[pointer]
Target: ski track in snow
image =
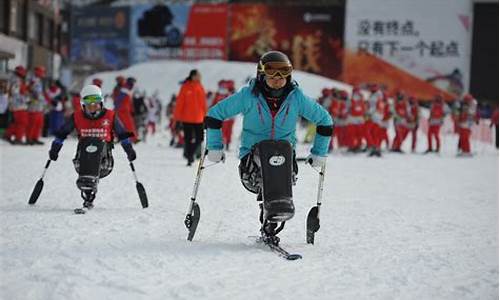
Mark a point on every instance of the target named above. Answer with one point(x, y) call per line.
point(400, 227)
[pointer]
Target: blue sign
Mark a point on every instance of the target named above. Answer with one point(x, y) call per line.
point(100, 37)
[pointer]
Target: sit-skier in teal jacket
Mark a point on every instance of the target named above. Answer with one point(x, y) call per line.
point(271, 105)
point(259, 124)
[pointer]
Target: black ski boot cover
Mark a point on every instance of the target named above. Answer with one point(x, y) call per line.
point(275, 161)
point(89, 160)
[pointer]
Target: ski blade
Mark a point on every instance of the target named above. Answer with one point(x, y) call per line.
point(293, 257)
point(36, 192)
point(312, 225)
point(194, 218)
point(142, 194)
point(277, 249)
point(80, 211)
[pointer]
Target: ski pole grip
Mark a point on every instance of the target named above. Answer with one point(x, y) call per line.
point(47, 163)
point(132, 167)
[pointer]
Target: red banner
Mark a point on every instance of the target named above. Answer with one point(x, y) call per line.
point(206, 33)
point(310, 36)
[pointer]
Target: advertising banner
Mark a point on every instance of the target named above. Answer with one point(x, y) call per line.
point(310, 36)
point(157, 31)
point(206, 33)
point(422, 47)
point(100, 37)
point(178, 31)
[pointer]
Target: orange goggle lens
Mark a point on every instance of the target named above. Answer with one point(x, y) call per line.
point(277, 69)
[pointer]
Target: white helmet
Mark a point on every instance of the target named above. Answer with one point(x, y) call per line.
point(90, 90)
point(91, 94)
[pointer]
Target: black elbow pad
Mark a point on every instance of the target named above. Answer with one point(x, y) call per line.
point(324, 130)
point(213, 123)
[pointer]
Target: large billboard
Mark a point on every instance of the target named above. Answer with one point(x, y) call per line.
point(100, 37)
point(178, 31)
point(310, 35)
point(422, 47)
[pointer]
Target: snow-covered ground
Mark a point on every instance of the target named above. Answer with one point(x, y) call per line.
point(399, 227)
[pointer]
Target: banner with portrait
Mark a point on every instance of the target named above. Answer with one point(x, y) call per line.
point(157, 31)
point(178, 31)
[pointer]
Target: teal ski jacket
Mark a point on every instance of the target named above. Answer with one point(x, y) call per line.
point(259, 124)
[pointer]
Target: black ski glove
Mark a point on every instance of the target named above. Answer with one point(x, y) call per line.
point(127, 147)
point(54, 150)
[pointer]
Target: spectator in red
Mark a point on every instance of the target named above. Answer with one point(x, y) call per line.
point(341, 122)
point(401, 113)
point(120, 82)
point(75, 101)
point(326, 97)
point(18, 94)
point(467, 116)
point(384, 137)
point(36, 107)
point(97, 82)
point(337, 110)
point(225, 89)
point(413, 119)
point(175, 130)
point(123, 107)
point(356, 109)
point(494, 121)
point(378, 115)
point(436, 118)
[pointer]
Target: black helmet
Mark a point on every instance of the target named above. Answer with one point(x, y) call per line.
point(274, 62)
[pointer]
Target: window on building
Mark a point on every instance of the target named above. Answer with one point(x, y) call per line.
point(46, 37)
point(39, 24)
point(3, 15)
point(32, 26)
point(57, 38)
point(20, 19)
point(52, 35)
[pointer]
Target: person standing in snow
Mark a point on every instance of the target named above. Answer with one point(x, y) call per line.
point(379, 107)
point(18, 95)
point(356, 109)
point(438, 111)
point(413, 119)
point(123, 105)
point(494, 122)
point(400, 111)
point(96, 127)
point(224, 90)
point(36, 107)
point(467, 116)
point(152, 114)
point(271, 105)
point(189, 112)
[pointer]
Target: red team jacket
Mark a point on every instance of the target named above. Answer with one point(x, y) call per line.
point(100, 128)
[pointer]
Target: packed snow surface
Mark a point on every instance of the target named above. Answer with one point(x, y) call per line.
point(406, 226)
point(398, 227)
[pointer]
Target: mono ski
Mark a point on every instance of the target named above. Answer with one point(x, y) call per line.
point(276, 248)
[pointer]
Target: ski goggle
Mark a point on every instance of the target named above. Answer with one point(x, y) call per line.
point(273, 69)
point(91, 99)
